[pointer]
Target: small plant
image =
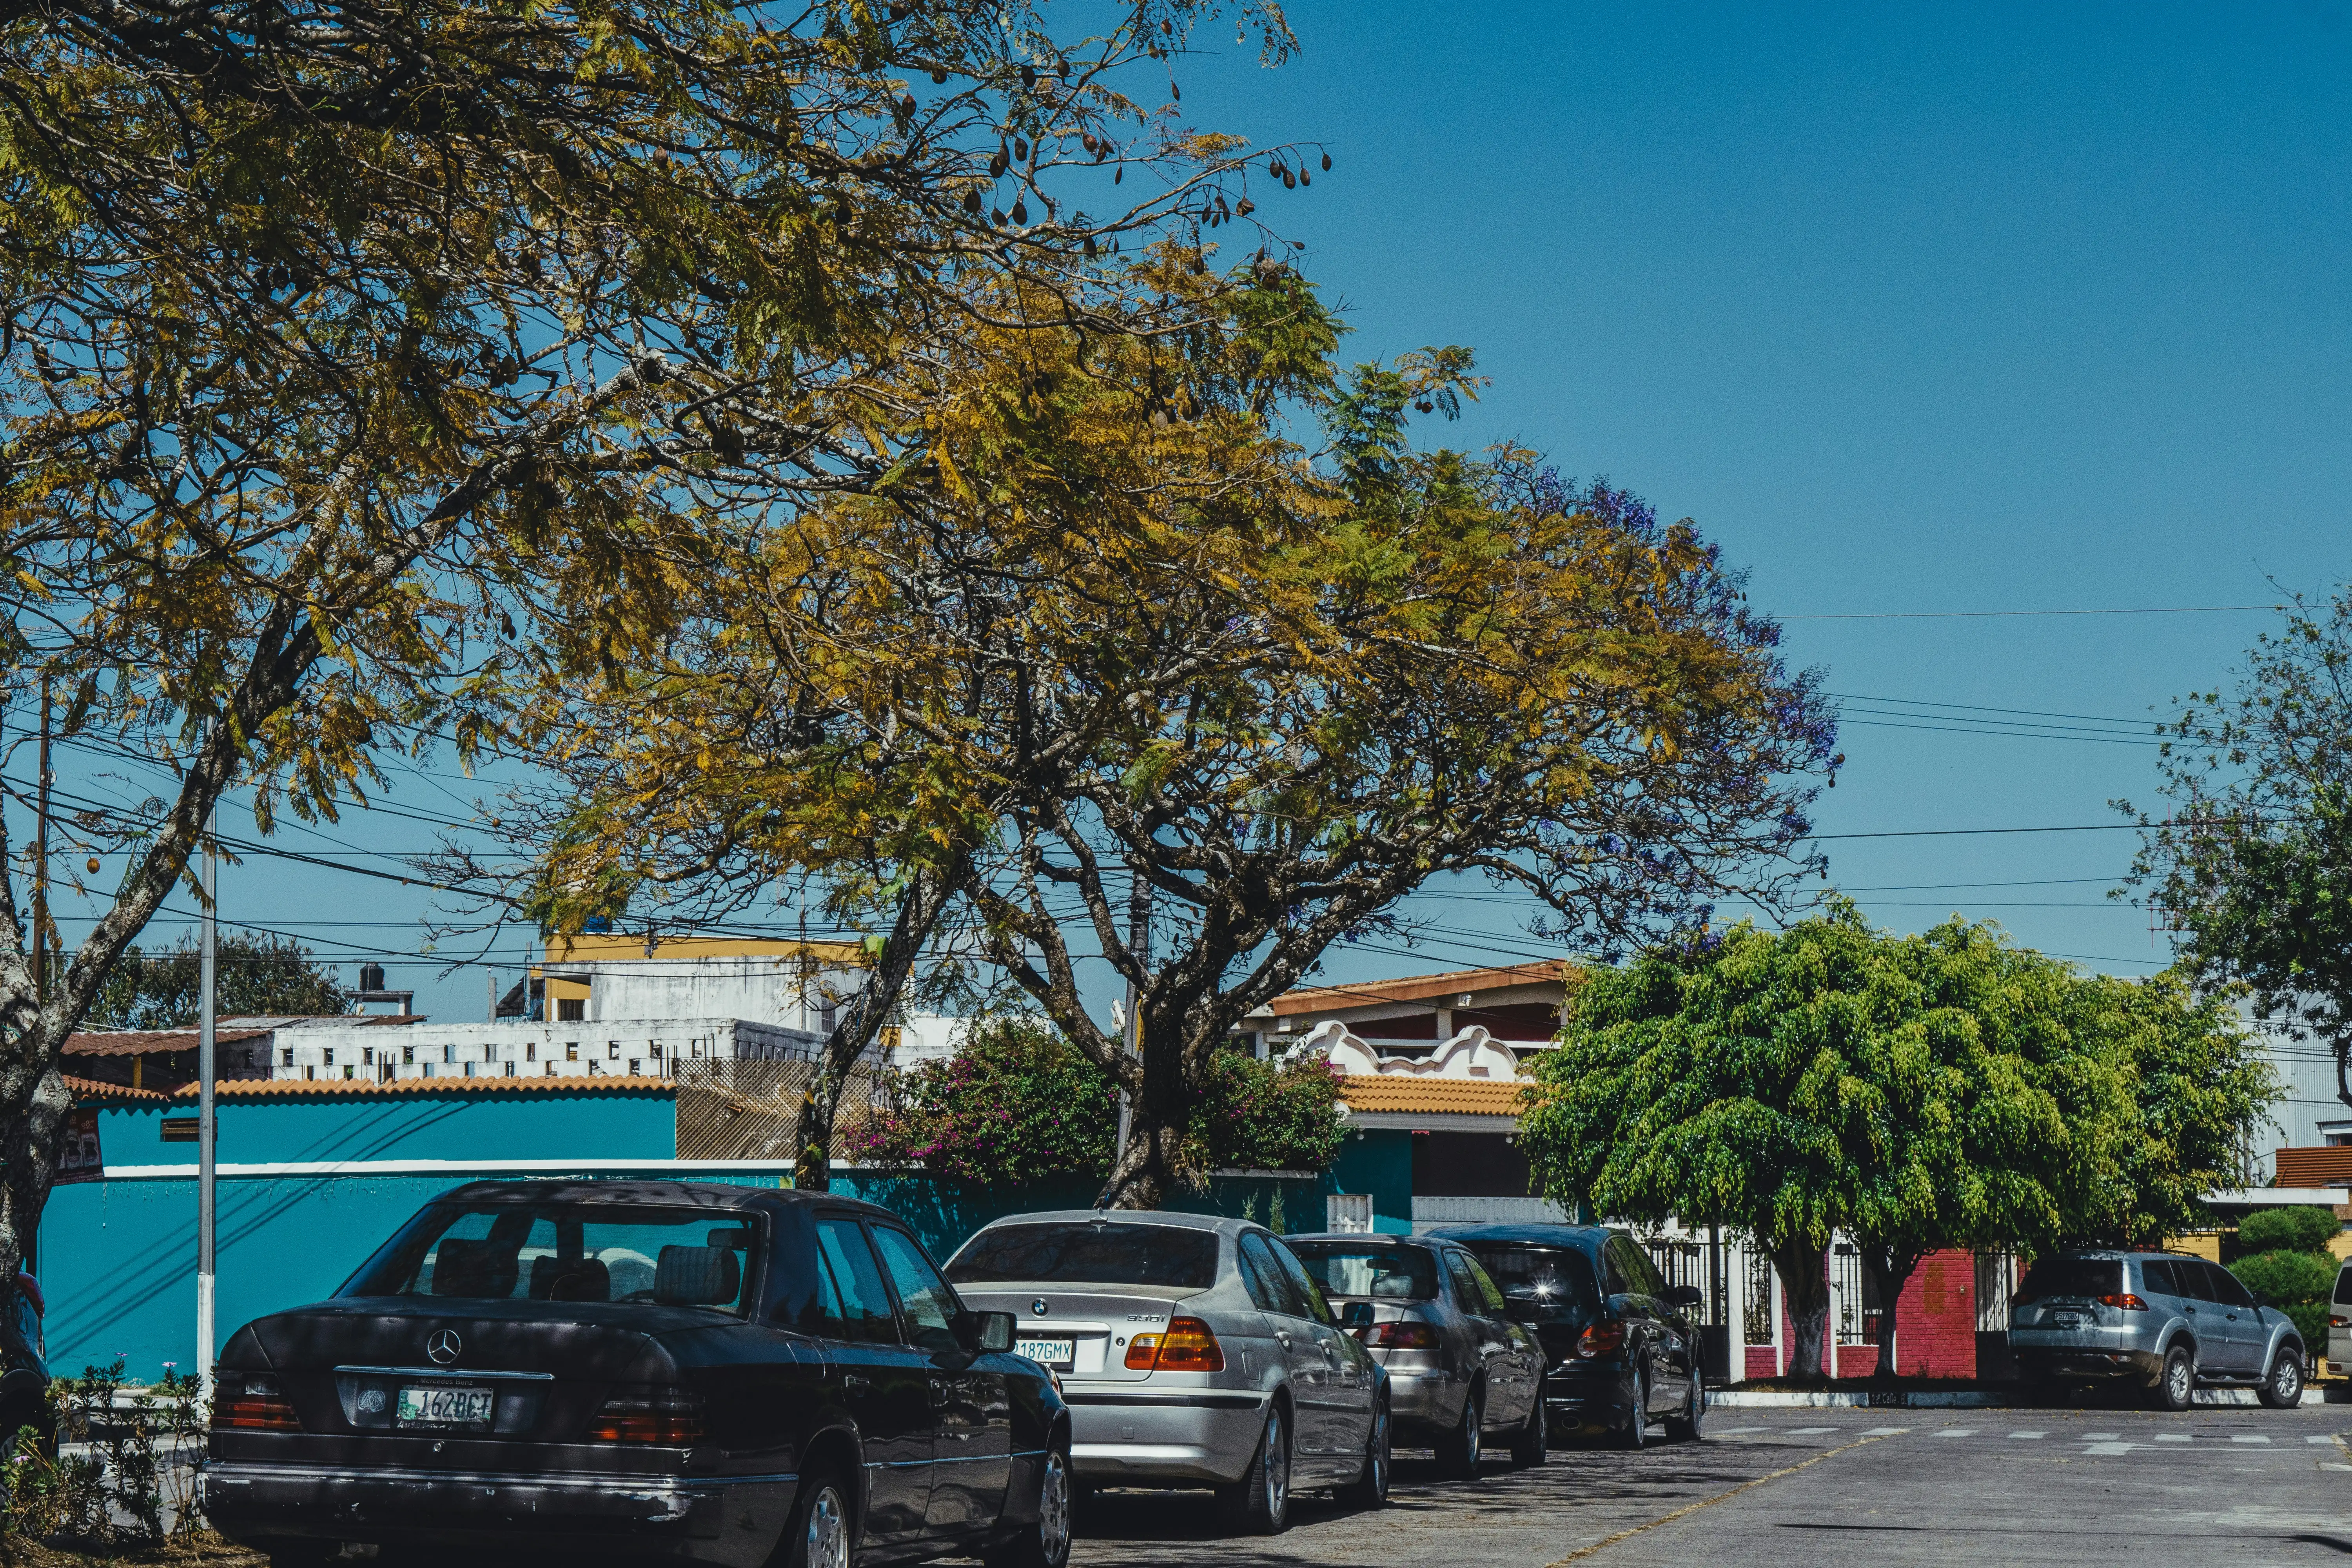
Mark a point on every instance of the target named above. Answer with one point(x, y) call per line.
point(128, 1475)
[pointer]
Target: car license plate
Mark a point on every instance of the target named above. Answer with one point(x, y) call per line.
point(445, 1406)
point(1047, 1352)
point(2067, 1319)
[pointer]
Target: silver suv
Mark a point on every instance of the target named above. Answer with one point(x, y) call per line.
point(2167, 1321)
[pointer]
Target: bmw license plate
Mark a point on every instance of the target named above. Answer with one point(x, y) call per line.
point(1057, 1353)
point(445, 1406)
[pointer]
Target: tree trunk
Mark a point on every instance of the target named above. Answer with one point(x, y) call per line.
point(1804, 1268)
point(919, 909)
point(1889, 1270)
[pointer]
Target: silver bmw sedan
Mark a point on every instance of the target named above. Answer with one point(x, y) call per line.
point(1192, 1351)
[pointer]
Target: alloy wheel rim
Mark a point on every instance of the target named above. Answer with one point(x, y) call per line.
point(1054, 1509)
point(2288, 1377)
point(828, 1536)
point(2180, 1382)
point(1381, 1454)
point(1278, 1469)
point(1475, 1418)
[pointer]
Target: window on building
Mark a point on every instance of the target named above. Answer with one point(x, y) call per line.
point(408, 1056)
point(248, 1059)
point(653, 1050)
point(350, 1070)
point(328, 1057)
point(571, 1050)
point(613, 1050)
point(469, 1069)
point(448, 1053)
point(367, 1056)
point(531, 1050)
point(1857, 1297)
point(308, 1071)
point(635, 1066)
point(571, 1009)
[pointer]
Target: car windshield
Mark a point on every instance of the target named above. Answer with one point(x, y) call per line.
point(1557, 1279)
point(2088, 1278)
point(1090, 1253)
point(2344, 1288)
point(1387, 1273)
point(568, 1252)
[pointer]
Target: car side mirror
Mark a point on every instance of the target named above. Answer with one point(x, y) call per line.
point(1356, 1315)
point(991, 1332)
point(1682, 1296)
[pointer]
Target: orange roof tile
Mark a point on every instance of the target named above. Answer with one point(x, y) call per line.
point(91, 1089)
point(139, 1042)
point(2317, 1166)
point(1399, 1094)
point(1424, 987)
point(359, 1087)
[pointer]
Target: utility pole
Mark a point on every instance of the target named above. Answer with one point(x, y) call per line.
point(204, 1129)
point(41, 860)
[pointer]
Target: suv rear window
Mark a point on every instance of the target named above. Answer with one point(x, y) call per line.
point(1089, 1254)
point(1559, 1279)
point(2089, 1278)
point(1383, 1273)
point(2344, 1288)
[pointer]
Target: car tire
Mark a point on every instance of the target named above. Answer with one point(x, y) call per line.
point(2282, 1389)
point(1044, 1542)
point(2176, 1385)
point(1371, 1489)
point(1532, 1445)
point(823, 1531)
point(1635, 1432)
point(1459, 1451)
point(1688, 1426)
point(1259, 1503)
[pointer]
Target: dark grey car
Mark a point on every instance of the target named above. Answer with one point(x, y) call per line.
point(2163, 1321)
point(1460, 1369)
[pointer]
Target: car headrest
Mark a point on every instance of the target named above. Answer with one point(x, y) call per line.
point(697, 1276)
point(570, 1279)
point(735, 1237)
point(473, 1269)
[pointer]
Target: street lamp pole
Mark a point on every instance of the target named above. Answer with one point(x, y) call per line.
point(205, 1136)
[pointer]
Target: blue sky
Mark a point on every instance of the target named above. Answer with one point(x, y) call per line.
point(1915, 312)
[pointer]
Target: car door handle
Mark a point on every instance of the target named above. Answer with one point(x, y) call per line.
point(850, 1380)
point(2190, 1310)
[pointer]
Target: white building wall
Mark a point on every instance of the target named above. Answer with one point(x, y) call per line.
point(768, 989)
point(644, 1048)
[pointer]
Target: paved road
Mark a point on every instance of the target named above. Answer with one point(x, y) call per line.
point(2061, 1487)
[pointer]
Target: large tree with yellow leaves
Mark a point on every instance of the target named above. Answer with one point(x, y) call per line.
point(363, 366)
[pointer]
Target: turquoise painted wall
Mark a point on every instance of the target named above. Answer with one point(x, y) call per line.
point(1379, 1162)
point(117, 1258)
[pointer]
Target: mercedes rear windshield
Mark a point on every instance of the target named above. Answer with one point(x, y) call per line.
point(1083, 1253)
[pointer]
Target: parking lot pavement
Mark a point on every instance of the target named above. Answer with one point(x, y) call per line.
point(1806, 1487)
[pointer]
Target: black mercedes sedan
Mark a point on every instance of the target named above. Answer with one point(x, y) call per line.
point(675, 1370)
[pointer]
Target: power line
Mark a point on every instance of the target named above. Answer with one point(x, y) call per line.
point(1995, 615)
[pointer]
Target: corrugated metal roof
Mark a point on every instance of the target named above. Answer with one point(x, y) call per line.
point(2314, 1167)
point(361, 1088)
point(1399, 1094)
point(1422, 987)
point(144, 1042)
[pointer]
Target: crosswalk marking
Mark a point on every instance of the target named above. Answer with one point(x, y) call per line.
point(2319, 1439)
point(2099, 1436)
point(1809, 1431)
point(2249, 1438)
point(2172, 1437)
point(2111, 1447)
point(1735, 1431)
point(1957, 1432)
point(2029, 1435)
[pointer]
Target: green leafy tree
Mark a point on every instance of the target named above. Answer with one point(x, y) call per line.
point(254, 976)
point(1268, 1115)
point(1947, 1090)
point(2302, 1228)
point(2252, 859)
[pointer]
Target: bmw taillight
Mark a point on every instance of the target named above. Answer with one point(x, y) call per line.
point(670, 1416)
point(1402, 1334)
point(245, 1403)
point(2125, 1302)
point(1189, 1346)
point(1600, 1339)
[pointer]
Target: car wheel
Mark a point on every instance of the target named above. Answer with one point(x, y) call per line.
point(1371, 1489)
point(1635, 1432)
point(1684, 1427)
point(1459, 1451)
point(1532, 1446)
point(1259, 1503)
point(2175, 1386)
point(2282, 1389)
point(1045, 1543)
point(823, 1531)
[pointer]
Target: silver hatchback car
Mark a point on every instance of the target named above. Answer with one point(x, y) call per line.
point(2162, 1319)
point(1192, 1351)
point(1459, 1369)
